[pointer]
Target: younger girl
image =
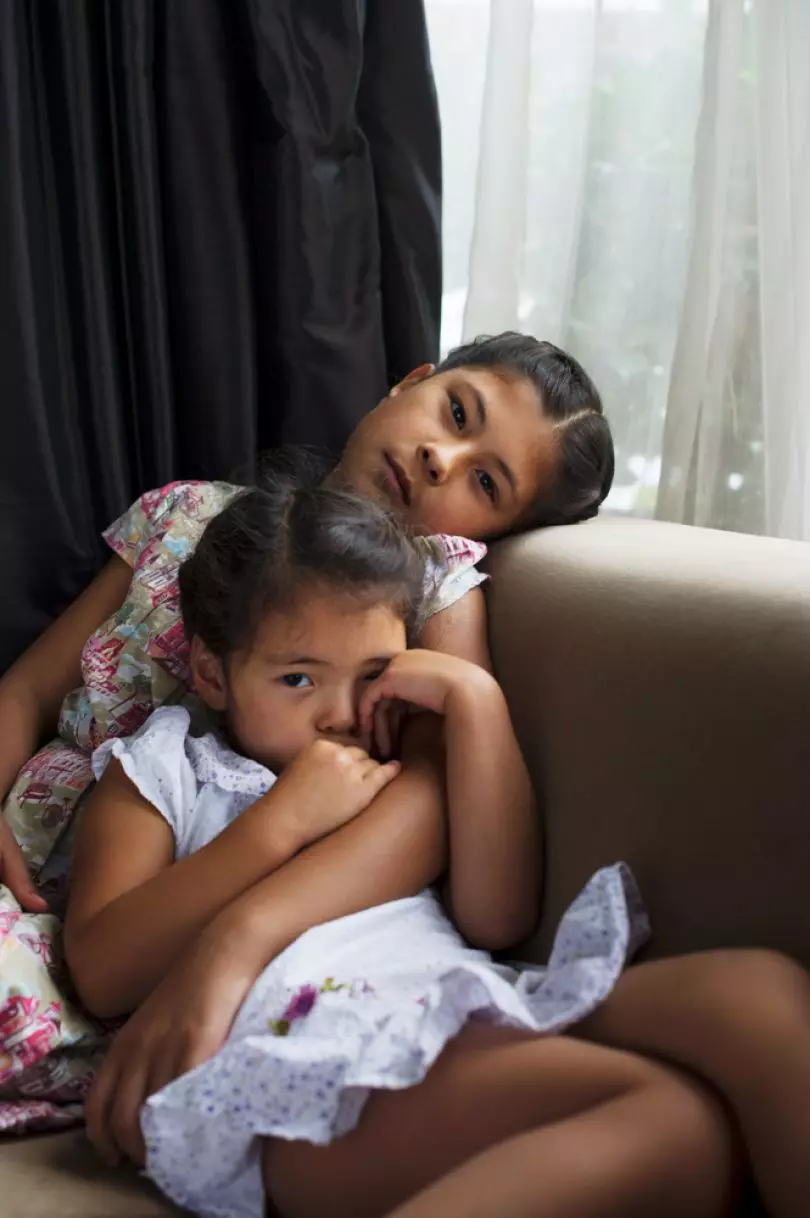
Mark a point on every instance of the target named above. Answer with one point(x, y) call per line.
point(377, 1063)
point(299, 603)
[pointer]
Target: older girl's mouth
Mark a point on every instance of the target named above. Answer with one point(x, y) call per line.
point(398, 479)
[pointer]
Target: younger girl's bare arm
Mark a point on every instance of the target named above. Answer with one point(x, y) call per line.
point(133, 909)
point(393, 849)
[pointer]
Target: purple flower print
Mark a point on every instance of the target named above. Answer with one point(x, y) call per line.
point(302, 1003)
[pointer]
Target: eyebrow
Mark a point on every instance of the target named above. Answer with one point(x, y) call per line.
point(288, 661)
point(481, 411)
point(292, 661)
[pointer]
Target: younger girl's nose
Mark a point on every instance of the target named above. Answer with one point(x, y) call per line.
point(339, 714)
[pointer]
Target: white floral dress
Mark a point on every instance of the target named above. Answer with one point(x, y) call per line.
point(359, 1004)
point(134, 662)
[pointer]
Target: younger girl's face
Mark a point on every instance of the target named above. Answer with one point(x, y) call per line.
point(462, 452)
point(304, 675)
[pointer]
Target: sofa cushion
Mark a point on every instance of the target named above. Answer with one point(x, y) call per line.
point(59, 1176)
point(659, 678)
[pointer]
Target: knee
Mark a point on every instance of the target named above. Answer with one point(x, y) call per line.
point(759, 1017)
point(689, 1122)
point(764, 987)
point(691, 1109)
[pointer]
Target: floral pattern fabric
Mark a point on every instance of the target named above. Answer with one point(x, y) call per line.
point(304, 1054)
point(136, 661)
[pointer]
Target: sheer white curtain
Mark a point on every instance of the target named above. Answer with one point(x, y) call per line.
point(631, 179)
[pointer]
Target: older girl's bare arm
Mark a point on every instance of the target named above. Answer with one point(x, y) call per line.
point(32, 691)
point(460, 630)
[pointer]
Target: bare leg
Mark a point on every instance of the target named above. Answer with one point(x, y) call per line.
point(741, 1019)
point(508, 1125)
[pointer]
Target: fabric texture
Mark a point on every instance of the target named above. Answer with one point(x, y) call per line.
point(135, 662)
point(208, 255)
point(362, 1003)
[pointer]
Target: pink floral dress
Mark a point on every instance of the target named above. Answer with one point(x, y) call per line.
point(135, 662)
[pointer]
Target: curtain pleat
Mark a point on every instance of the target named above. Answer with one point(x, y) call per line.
point(220, 231)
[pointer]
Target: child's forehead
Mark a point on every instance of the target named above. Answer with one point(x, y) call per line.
point(324, 623)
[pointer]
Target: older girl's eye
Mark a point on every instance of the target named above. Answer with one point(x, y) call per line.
point(486, 482)
point(459, 414)
point(296, 680)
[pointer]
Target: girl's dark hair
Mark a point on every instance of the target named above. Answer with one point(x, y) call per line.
point(571, 401)
point(289, 532)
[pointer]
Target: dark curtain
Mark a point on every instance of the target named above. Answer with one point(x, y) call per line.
point(219, 223)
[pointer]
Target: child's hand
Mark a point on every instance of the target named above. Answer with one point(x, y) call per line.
point(15, 875)
point(424, 679)
point(182, 1023)
point(329, 784)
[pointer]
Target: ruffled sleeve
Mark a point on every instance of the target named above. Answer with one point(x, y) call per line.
point(156, 761)
point(131, 533)
point(461, 573)
point(138, 659)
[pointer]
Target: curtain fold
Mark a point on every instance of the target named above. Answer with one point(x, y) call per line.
point(782, 39)
point(221, 231)
point(631, 179)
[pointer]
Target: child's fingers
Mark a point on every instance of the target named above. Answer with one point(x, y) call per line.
point(31, 901)
point(382, 730)
point(396, 718)
point(356, 753)
point(96, 1114)
point(15, 875)
point(130, 1093)
point(368, 704)
point(380, 776)
point(163, 1069)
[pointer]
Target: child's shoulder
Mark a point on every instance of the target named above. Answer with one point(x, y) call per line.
point(196, 782)
point(161, 737)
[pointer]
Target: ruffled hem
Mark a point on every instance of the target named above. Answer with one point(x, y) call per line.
point(312, 1084)
point(337, 1075)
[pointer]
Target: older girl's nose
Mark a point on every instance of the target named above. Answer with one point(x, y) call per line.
point(437, 461)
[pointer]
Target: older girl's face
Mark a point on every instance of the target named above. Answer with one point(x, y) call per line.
point(462, 452)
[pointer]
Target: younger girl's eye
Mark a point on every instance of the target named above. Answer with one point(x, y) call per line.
point(296, 680)
point(459, 414)
point(486, 482)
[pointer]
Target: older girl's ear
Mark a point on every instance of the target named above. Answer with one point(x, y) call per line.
point(413, 378)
